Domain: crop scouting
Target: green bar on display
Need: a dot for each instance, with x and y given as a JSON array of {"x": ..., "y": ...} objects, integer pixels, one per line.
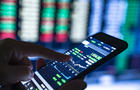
[
  {"x": 74, "y": 53},
  {"x": 58, "y": 75},
  {"x": 93, "y": 41},
  {"x": 7, "y": 13},
  {"x": 8, "y": 26},
  {"x": 8, "y": 7},
  {"x": 59, "y": 83},
  {"x": 61, "y": 27},
  {"x": 49, "y": 15},
  {"x": 65, "y": 11},
  {"x": 54, "y": 78},
  {"x": 49, "y": 10},
  {"x": 64, "y": 0},
  {"x": 99, "y": 58},
  {"x": 48, "y": 0},
  {"x": 63, "y": 80},
  {"x": 62, "y": 15},
  {"x": 46, "y": 27},
  {"x": 76, "y": 48}
]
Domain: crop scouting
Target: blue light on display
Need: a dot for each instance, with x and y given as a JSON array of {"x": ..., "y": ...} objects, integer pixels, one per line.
[
  {"x": 29, "y": 15},
  {"x": 79, "y": 20},
  {"x": 114, "y": 17},
  {"x": 96, "y": 16}
]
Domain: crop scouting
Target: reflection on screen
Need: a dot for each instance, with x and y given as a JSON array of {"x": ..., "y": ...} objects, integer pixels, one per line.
[{"x": 55, "y": 74}]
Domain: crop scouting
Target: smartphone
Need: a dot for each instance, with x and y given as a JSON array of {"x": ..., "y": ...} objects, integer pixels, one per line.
[{"x": 90, "y": 54}]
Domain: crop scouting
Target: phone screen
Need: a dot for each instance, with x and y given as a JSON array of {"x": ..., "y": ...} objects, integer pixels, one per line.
[{"x": 55, "y": 74}]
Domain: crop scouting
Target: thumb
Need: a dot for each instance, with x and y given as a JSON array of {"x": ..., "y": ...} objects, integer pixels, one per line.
[{"x": 13, "y": 74}]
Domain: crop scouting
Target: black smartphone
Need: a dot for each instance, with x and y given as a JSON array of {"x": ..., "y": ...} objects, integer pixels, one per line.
[{"x": 90, "y": 54}]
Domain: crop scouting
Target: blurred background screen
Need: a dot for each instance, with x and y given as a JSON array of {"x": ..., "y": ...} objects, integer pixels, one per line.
[{"x": 63, "y": 24}]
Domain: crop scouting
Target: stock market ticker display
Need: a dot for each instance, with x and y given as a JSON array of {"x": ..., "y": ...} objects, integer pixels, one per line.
[
  {"x": 48, "y": 21},
  {"x": 8, "y": 14},
  {"x": 79, "y": 20},
  {"x": 29, "y": 15},
  {"x": 129, "y": 29},
  {"x": 85, "y": 55},
  {"x": 62, "y": 21},
  {"x": 35, "y": 20},
  {"x": 118, "y": 18},
  {"x": 114, "y": 17},
  {"x": 107, "y": 17},
  {"x": 55, "y": 20},
  {"x": 96, "y": 13}
]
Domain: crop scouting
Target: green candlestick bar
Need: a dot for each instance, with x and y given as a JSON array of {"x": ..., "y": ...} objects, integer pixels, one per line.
[
  {"x": 46, "y": 28},
  {"x": 7, "y": 26},
  {"x": 8, "y": 7},
  {"x": 49, "y": 1}
]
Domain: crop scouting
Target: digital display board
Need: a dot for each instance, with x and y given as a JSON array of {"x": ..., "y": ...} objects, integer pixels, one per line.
[
  {"x": 48, "y": 21},
  {"x": 62, "y": 21},
  {"x": 8, "y": 14},
  {"x": 96, "y": 13},
  {"x": 79, "y": 20},
  {"x": 29, "y": 15},
  {"x": 114, "y": 17}
]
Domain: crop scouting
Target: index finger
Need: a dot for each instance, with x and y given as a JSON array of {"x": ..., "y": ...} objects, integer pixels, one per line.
[{"x": 30, "y": 49}]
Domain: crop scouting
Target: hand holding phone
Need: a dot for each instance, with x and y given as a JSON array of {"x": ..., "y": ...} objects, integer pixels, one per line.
[
  {"x": 72, "y": 85},
  {"x": 90, "y": 54},
  {"x": 14, "y": 64}
]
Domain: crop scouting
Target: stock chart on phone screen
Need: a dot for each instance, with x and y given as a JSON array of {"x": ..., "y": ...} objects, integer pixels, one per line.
[{"x": 85, "y": 55}]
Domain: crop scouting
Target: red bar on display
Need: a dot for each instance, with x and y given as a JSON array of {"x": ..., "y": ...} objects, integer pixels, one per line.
[
  {"x": 61, "y": 37},
  {"x": 4, "y": 35},
  {"x": 63, "y": 5},
  {"x": 8, "y": 19},
  {"x": 46, "y": 37},
  {"x": 63, "y": 21},
  {"x": 9, "y": 1},
  {"x": 48, "y": 4},
  {"x": 47, "y": 22}
]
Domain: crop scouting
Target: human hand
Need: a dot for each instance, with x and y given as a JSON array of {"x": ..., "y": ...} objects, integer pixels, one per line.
[{"x": 14, "y": 63}]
